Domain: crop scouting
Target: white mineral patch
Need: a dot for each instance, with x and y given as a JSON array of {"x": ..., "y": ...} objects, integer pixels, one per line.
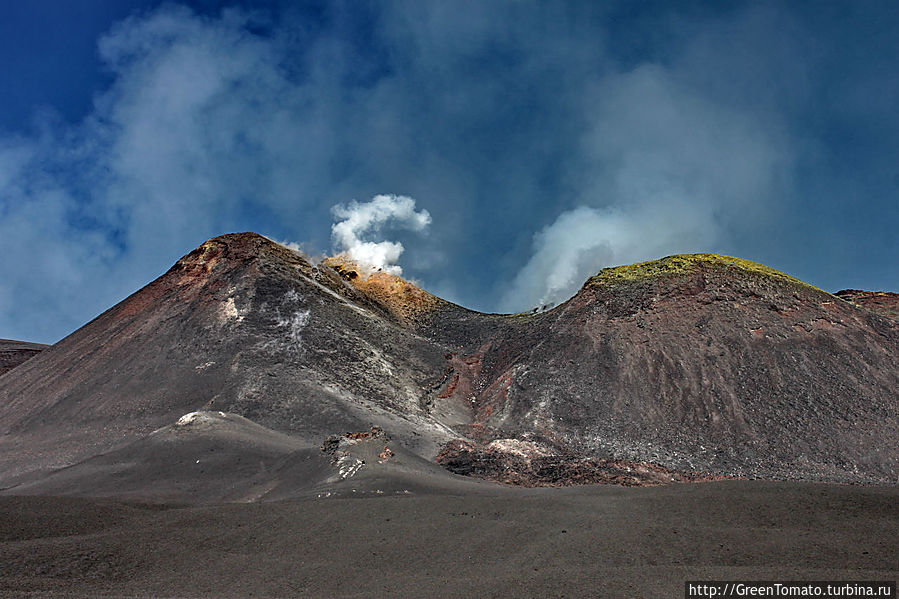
[
  {"x": 348, "y": 466},
  {"x": 188, "y": 419},
  {"x": 229, "y": 312},
  {"x": 525, "y": 449},
  {"x": 338, "y": 297},
  {"x": 295, "y": 323},
  {"x": 378, "y": 362},
  {"x": 198, "y": 417},
  {"x": 230, "y": 309}
]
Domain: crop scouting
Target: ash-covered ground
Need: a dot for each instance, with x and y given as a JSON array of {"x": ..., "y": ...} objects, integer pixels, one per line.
[{"x": 593, "y": 541}]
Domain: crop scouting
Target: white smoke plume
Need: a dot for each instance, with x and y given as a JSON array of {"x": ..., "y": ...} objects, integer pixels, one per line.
[
  {"x": 360, "y": 219},
  {"x": 583, "y": 241},
  {"x": 669, "y": 172}
]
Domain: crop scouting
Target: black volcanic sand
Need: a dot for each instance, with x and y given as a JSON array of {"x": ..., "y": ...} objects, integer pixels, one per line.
[{"x": 573, "y": 542}]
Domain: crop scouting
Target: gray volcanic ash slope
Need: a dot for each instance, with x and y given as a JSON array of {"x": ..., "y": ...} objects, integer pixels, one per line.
[
  {"x": 240, "y": 325},
  {"x": 680, "y": 369}
]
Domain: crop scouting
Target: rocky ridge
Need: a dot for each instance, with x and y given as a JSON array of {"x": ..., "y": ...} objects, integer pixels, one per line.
[{"x": 879, "y": 302}]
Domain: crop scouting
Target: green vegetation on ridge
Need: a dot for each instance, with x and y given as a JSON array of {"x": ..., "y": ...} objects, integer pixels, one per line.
[{"x": 681, "y": 264}]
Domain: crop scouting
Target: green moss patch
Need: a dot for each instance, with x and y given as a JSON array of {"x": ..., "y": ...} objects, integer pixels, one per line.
[{"x": 684, "y": 264}]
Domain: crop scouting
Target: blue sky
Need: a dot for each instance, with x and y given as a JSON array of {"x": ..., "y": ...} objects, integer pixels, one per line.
[{"x": 545, "y": 140}]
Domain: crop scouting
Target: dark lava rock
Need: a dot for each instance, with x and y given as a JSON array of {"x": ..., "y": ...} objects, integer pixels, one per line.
[
  {"x": 506, "y": 462},
  {"x": 879, "y": 302},
  {"x": 14, "y": 353}
]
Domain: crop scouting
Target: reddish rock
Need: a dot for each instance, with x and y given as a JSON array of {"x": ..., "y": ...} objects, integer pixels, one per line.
[{"x": 879, "y": 302}]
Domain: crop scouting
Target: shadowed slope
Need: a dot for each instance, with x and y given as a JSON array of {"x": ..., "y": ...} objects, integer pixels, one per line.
[
  {"x": 698, "y": 362},
  {"x": 14, "y": 353}
]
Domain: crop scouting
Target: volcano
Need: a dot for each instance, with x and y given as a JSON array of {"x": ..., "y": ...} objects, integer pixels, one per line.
[
  {"x": 225, "y": 378},
  {"x": 253, "y": 423}
]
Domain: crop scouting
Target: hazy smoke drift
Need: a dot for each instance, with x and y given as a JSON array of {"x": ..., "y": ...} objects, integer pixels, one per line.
[
  {"x": 359, "y": 219},
  {"x": 671, "y": 171}
]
